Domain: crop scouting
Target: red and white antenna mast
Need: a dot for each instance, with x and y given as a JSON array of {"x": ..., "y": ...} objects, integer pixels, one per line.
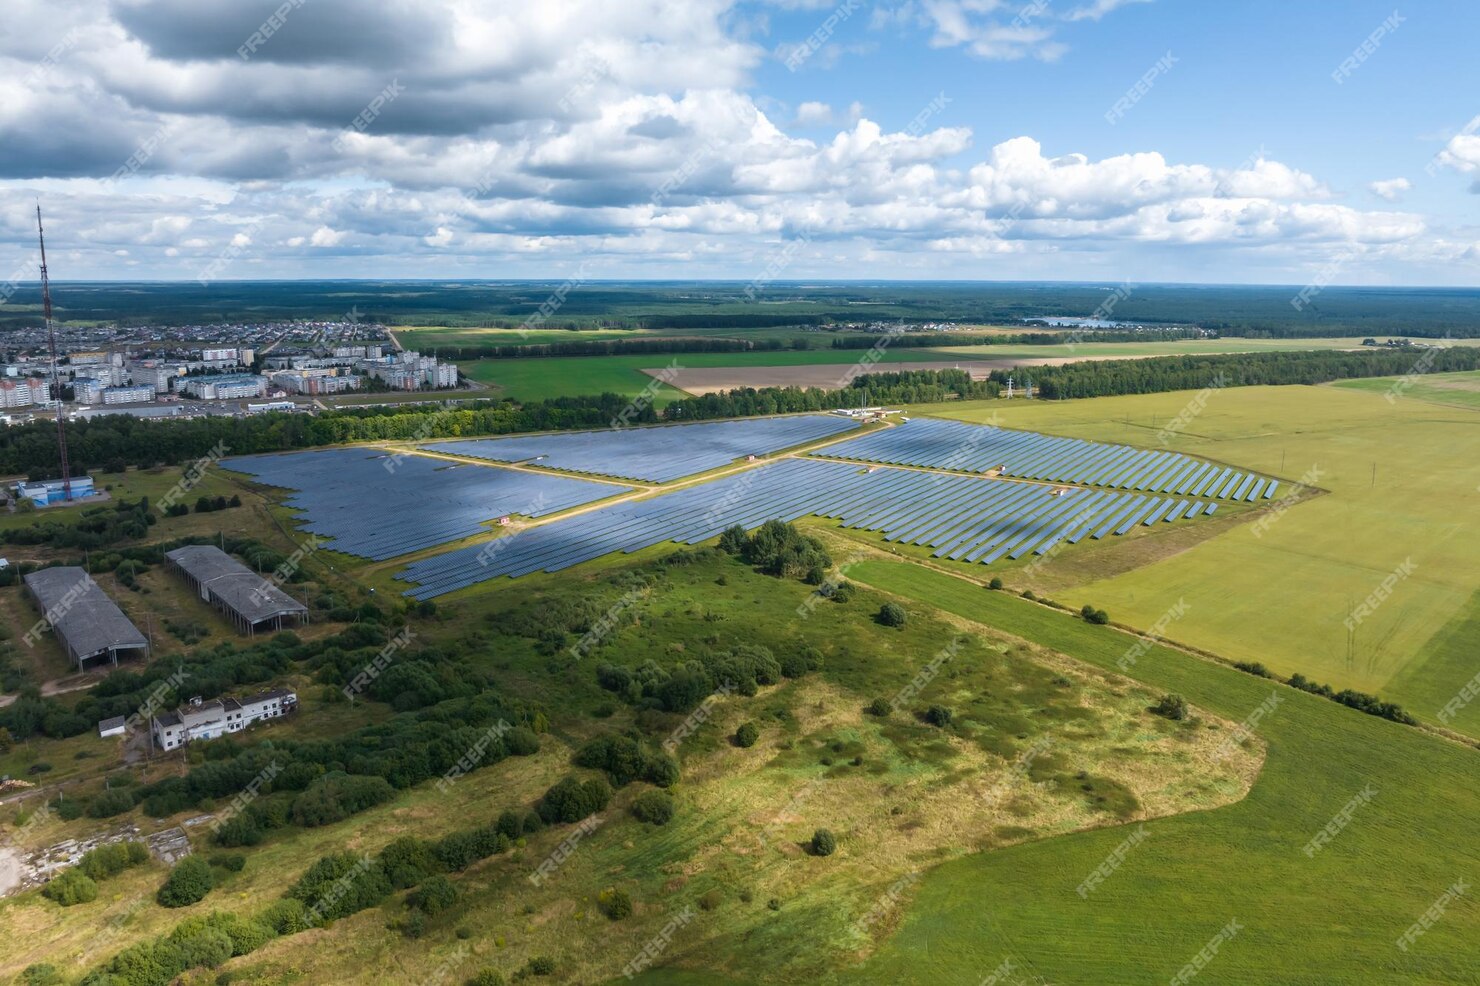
[{"x": 56, "y": 381}]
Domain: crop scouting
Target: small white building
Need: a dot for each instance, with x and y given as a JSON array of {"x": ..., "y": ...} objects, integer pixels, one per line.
[
  {"x": 112, "y": 727},
  {"x": 199, "y": 720}
]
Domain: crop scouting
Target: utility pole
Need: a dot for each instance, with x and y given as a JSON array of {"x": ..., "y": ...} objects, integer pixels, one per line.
[{"x": 56, "y": 382}]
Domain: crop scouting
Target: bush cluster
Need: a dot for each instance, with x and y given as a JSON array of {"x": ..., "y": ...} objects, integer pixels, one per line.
[
  {"x": 778, "y": 548},
  {"x": 188, "y": 882},
  {"x": 1370, "y": 704}
]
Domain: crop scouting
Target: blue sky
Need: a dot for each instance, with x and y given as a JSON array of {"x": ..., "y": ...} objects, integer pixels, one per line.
[{"x": 379, "y": 138}]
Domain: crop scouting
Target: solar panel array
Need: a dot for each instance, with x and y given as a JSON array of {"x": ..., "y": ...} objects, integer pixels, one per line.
[
  {"x": 962, "y": 517},
  {"x": 657, "y": 454},
  {"x": 1028, "y": 455},
  {"x": 379, "y": 506}
]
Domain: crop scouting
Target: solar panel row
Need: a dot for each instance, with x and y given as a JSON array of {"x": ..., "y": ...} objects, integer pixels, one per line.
[
  {"x": 962, "y": 517},
  {"x": 379, "y": 506},
  {"x": 658, "y": 454},
  {"x": 934, "y": 443}
]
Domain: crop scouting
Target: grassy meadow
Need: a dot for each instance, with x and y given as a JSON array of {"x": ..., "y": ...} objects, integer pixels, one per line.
[
  {"x": 1039, "y": 747},
  {"x": 1280, "y": 588},
  {"x": 1331, "y": 917}
]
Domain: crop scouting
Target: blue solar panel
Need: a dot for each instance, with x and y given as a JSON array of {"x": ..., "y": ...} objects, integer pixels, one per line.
[
  {"x": 378, "y": 505},
  {"x": 955, "y": 445},
  {"x": 973, "y": 519},
  {"x": 654, "y": 454}
]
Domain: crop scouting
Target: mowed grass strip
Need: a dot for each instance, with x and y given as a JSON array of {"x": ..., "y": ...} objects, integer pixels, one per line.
[
  {"x": 1461, "y": 389},
  {"x": 1281, "y": 591}
]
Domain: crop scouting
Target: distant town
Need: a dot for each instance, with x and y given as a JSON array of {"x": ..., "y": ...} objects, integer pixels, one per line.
[{"x": 190, "y": 370}]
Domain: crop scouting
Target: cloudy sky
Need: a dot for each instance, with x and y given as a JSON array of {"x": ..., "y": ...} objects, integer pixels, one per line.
[{"x": 1266, "y": 141}]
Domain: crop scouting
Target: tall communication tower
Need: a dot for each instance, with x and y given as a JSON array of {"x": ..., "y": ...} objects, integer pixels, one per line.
[{"x": 56, "y": 382}]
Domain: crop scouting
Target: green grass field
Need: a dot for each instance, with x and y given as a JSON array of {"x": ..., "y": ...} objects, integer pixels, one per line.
[
  {"x": 556, "y": 376},
  {"x": 538, "y": 379},
  {"x": 1460, "y": 389},
  {"x": 1398, "y": 482}
]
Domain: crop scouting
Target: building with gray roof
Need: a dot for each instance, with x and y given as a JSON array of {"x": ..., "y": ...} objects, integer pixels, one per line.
[
  {"x": 251, "y": 601},
  {"x": 88, "y": 624}
]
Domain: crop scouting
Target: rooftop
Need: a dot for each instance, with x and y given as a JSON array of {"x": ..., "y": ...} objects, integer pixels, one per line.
[
  {"x": 82, "y": 613},
  {"x": 249, "y": 594}
]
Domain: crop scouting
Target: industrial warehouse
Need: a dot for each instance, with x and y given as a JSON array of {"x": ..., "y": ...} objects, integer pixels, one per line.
[
  {"x": 88, "y": 624},
  {"x": 250, "y": 600}
]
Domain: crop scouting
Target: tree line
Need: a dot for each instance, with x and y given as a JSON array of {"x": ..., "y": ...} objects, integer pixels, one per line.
[
  {"x": 931, "y": 340},
  {"x": 111, "y": 442}
]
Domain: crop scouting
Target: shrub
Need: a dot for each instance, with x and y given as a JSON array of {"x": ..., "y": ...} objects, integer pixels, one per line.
[
  {"x": 187, "y": 883},
  {"x": 231, "y": 862},
  {"x": 794, "y": 664},
  {"x": 570, "y": 800},
  {"x": 487, "y": 977},
  {"x": 112, "y": 859},
  {"x": 41, "y": 974},
  {"x": 938, "y": 715},
  {"x": 1253, "y": 667},
  {"x": 338, "y": 885},
  {"x": 407, "y": 861},
  {"x": 335, "y": 797},
  {"x": 1172, "y": 707},
  {"x": 892, "y": 615},
  {"x": 541, "y": 965},
  {"x": 653, "y": 807},
  {"x": 521, "y": 741},
  {"x": 286, "y": 917},
  {"x": 615, "y": 903},
  {"x": 824, "y": 843},
  {"x": 1095, "y": 616},
  {"x": 996, "y": 583},
  {"x": 435, "y": 895},
  {"x": 239, "y": 830},
  {"x": 110, "y": 803},
  {"x": 880, "y": 707},
  {"x": 624, "y": 761},
  {"x": 71, "y": 887},
  {"x": 246, "y": 935},
  {"x": 746, "y": 735}
]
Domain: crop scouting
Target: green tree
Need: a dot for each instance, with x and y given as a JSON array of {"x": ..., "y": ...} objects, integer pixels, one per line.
[
  {"x": 892, "y": 615},
  {"x": 938, "y": 715},
  {"x": 71, "y": 887},
  {"x": 746, "y": 735},
  {"x": 653, "y": 807},
  {"x": 187, "y": 883}
]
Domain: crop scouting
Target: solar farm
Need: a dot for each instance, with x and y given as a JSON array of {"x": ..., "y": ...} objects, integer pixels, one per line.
[
  {"x": 963, "y": 518},
  {"x": 964, "y": 447},
  {"x": 975, "y": 494},
  {"x": 656, "y": 454},
  {"x": 379, "y": 506}
]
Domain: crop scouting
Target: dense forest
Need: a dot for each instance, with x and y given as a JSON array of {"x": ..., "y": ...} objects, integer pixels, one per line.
[
  {"x": 111, "y": 442},
  {"x": 929, "y": 340},
  {"x": 670, "y": 306}
]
